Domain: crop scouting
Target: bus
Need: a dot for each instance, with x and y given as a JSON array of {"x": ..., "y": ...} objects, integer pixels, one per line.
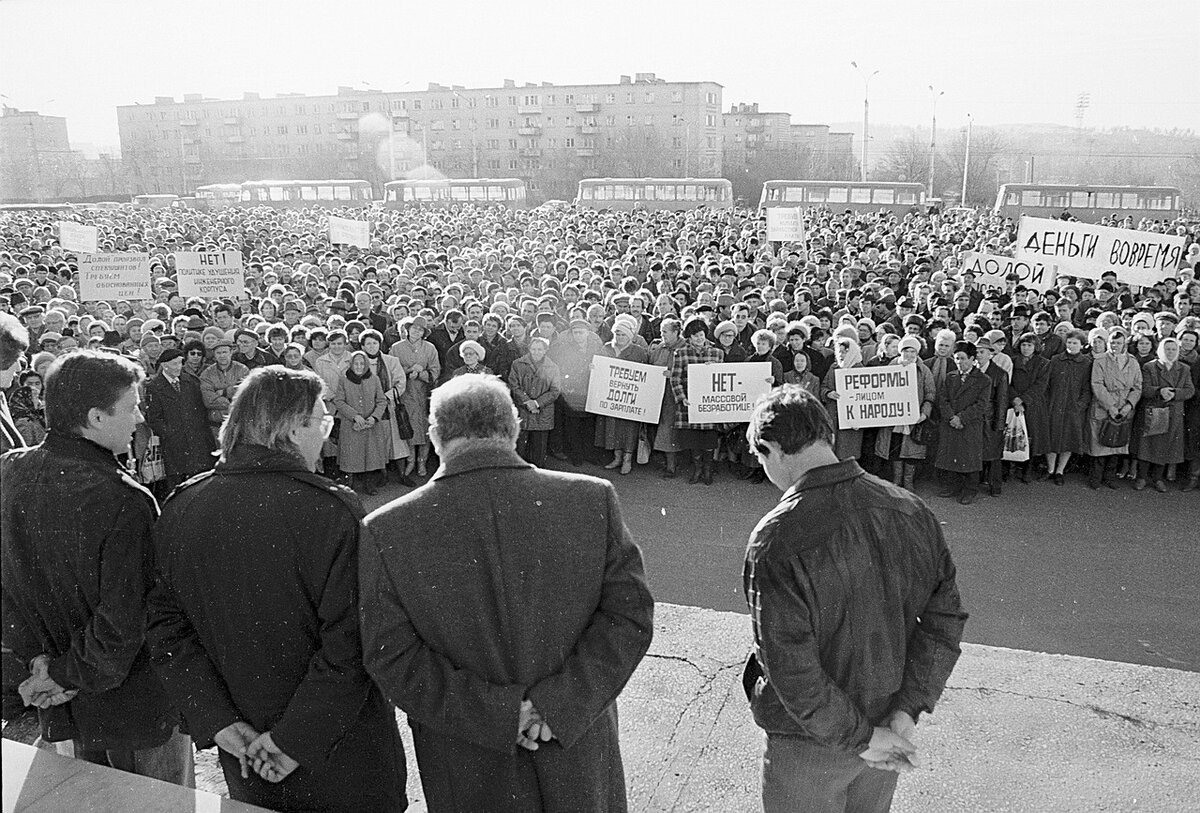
[
  {"x": 218, "y": 195},
  {"x": 655, "y": 193},
  {"x": 154, "y": 201},
  {"x": 37, "y": 207},
  {"x": 858, "y": 196},
  {"x": 509, "y": 192},
  {"x": 1087, "y": 203},
  {"x": 300, "y": 194}
]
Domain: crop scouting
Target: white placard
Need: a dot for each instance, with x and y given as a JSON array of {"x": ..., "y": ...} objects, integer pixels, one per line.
[
  {"x": 992, "y": 269},
  {"x": 210, "y": 274},
  {"x": 785, "y": 223},
  {"x": 725, "y": 393},
  {"x": 351, "y": 232},
  {"x": 1084, "y": 250},
  {"x": 626, "y": 389},
  {"x": 109, "y": 277},
  {"x": 77, "y": 237},
  {"x": 876, "y": 396}
]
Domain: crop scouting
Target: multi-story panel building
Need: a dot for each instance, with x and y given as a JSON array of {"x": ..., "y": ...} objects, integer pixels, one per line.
[
  {"x": 549, "y": 135},
  {"x": 33, "y": 150},
  {"x": 761, "y": 146}
]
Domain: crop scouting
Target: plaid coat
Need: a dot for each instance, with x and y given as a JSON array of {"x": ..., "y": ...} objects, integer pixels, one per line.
[{"x": 685, "y": 356}]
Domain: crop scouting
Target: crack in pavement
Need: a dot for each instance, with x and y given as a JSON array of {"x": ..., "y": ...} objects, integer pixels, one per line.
[{"x": 1103, "y": 713}]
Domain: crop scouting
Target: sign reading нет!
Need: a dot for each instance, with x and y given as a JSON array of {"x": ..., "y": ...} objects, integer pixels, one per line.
[{"x": 210, "y": 274}]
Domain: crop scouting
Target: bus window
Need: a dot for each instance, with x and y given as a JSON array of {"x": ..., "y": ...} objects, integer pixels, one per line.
[
  {"x": 860, "y": 195},
  {"x": 906, "y": 196},
  {"x": 665, "y": 192},
  {"x": 276, "y": 193},
  {"x": 883, "y": 195},
  {"x": 308, "y": 193},
  {"x": 1129, "y": 200},
  {"x": 838, "y": 194},
  {"x": 520, "y": 193},
  {"x": 710, "y": 193},
  {"x": 622, "y": 192},
  {"x": 816, "y": 194},
  {"x": 458, "y": 192},
  {"x": 1031, "y": 197},
  {"x": 1055, "y": 199},
  {"x": 1081, "y": 200},
  {"x": 793, "y": 194},
  {"x": 324, "y": 193},
  {"x": 1012, "y": 198},
  {"x": 1106, "y": 200}
]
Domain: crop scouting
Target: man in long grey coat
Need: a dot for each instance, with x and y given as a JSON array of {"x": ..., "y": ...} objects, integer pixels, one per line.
[{"x": 504, "y": 608}]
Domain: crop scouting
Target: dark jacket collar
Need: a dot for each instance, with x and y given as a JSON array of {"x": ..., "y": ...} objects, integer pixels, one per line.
[
  {"x": 80, "y": 447},
  {"x": 251, "y": 457},
  {"x": 824, "y": 476},
  {"x": 480, "y": 455}
]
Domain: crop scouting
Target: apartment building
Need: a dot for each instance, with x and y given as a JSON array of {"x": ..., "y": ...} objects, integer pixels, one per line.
[
  {"x": 33, "y": 149},
  {"x": 549, "y": 135},
  {"x": 760, "y": 146}
]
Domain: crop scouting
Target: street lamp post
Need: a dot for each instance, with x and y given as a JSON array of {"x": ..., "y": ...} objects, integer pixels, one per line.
[
  {"x": 866, "y": 117},
  {"x": 966, "y": 163},
  {"x": 937, "y": 94}
]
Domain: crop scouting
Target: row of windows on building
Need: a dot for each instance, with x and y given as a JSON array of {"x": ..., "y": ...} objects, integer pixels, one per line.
[{"x": 454, "y": 102}]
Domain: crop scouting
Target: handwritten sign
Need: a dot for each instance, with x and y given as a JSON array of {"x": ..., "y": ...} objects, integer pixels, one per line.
[
  {"x": 351, "y": 232},
  {"x": 626, "y": 389},
  {"x": 210, "y": 274},
  {"x": 992, "y": 270},
  {"x": 77, "y": 237},
  {"x": 876, "y": 396},
  {"x": 113, "y": 276},
  {"x": 1085, "y": 250},
  {"x": 785, "y": 223},
  {"x": 725, "y": 393}
]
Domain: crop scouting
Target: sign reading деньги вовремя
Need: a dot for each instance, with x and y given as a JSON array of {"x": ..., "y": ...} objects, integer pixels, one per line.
[{"x": 1083, "y": 250}]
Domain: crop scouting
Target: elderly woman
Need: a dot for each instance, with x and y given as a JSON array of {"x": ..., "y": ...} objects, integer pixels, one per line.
[
  {"x": 896, "y": 443},
  {"x": 1028, "y": 392},
  {"x": 1191, "y": 420},
  {"x": 1069, "y": 392},
  {"x": 419, "y": 360},
  {"x": 764, "y": 342},
  {"x": 364, "y": 439},
  {"x": 472, "y": 353},
  {"x": 846, "y": 354},
  {"x": 536, "y": 385},
  {"x": 618, "y": 435},
  {"x": 662, "y": 354},
  {"x": 1116, "y": 390},
  {"x": 1166, "y": 385},
  {"x": 393, "y": 382},
  {"x": 693, "y": 435}
]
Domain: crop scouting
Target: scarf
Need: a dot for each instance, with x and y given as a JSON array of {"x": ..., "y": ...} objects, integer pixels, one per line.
[{"x": 381, "y": 369}]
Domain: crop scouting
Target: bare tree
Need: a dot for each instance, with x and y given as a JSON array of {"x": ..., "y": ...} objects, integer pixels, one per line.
[
  {"x": 907, "y": 160},
  {"x": 987, "y": 146}
]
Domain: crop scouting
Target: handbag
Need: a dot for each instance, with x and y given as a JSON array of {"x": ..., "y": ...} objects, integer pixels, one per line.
[
  {"x": 923, "y": 433},
  {"x": 403, "y": 424},
  {"x": 1158, "y": 420},
  {"x": 1016, "y": 438},
  {"x": 1115, "y": 433}
]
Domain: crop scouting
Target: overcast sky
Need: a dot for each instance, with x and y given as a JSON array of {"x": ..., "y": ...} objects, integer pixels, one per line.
[{"x": 1002, "y": 62}]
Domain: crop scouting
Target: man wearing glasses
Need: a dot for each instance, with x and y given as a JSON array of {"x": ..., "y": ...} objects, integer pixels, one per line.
[{"x": 254, "y": 618}]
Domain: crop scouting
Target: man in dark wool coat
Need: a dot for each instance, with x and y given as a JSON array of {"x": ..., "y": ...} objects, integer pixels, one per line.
[
  {"x": 254, "y": 617},
  {"x": 504, "y": 607}
]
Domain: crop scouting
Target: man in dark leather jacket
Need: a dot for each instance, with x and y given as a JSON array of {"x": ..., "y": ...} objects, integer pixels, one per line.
[
  {"x": 857, "y": 618},
  {"x": 77, "y": 564}
]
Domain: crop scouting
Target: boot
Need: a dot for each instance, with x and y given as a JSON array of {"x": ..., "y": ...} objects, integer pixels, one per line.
[
  {"x": 707, "y": 475},
  {"x": 1097, "y": 475},
  {"x": 897, "y": 472},
  {"x": 1193, "y": 482},
  {"x": 695, "y": 476},
  {"x": 993, "y": 470},
  {"x": 910, "y": 473},
  {"x": 671, "y": 472}
]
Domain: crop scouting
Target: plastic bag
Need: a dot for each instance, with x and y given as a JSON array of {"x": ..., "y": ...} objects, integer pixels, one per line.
[
  {"x": 1016, "y": 438},
  {"x": 153, "y": 468}
]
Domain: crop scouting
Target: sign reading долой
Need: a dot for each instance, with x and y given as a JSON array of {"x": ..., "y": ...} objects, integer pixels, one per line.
[
  {"x": 725, "y": 393},
  {"x": 1084, "y": 250},
  {"x": 626, "y": 389},
  {"x": 210, "y": 274},
  {"x": 785, "y": 223},
  {"x": 991, "y": 270},
  {"x": 113, "y": 276},
  {"x": 876, "y": 396}
]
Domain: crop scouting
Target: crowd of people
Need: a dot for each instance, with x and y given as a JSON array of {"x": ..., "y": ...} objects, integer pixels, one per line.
[{"x": 532, "y": 296}]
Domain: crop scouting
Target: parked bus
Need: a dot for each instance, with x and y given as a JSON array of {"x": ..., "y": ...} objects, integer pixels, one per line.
[
  {"x": 1087, "y": 203},
  {"x": 858, "y": 196},
  {"x": 300, "y": 194},
  {"x": 154, "y": 201},
  {"x": 508, "y": 192},
  {"x": 36, "y": 207},
  {"x": 218, "y": 195},
  {"x": 655, "y": 193}
]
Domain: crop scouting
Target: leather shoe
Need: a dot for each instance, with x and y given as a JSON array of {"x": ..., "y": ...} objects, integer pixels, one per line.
[
  {"x": 1191, "y": 484},
  {"x": 948, "y": 493},
  {"x": 1160, "y": 486},
  {"x": 1139, "y": 484},
  {"x": 967, "y": 498}
]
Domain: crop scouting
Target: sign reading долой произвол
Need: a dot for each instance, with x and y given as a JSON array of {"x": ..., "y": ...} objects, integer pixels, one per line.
[
  {"x": 112, "y": 276},
  {"x": 1084, "y": 250},
  {"x": 993, "y": 270}
]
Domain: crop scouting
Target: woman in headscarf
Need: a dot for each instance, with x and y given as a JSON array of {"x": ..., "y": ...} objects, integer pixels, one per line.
[
  {"x": 1116, "y": 390},
  {"x": 662, "y": 354},
  {"x": 364, "y": 438},
  {"x": 896, "y": 443},
  {"x": 846, "y": 354},
  {"x": 1166, "y": 384},
  {"x": 393, "y": 382},
  {"x": 1191, "y": 419},
  {"x": 694, "y": 436},
  {"x": 419, "y": 360},
  {"x": 535, "y": 383},
  {"x": 1069, "y": 392},
  {"x": 618, "y": 435},
  {"x": 1028, "y": 392}
]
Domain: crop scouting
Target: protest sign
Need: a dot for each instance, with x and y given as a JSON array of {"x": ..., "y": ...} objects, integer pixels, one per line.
[
  {"x": 351, "y": 232},
  {"x": 876, "y": 396},
  {"x": 109, "y": 277},
  {"x": 725, "y": 393},
  {"x": 1084, "y": 250},
  {"x": 76, "y": 237},
  {"x": 626, "y": 389},
  {"x": 210, "y": 274},
  {"x": 991, "y": 270},
  {"x": 785, "y": 223}
]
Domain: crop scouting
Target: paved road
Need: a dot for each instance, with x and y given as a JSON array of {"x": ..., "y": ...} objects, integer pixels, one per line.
[{"x": 1109, "y": 574}]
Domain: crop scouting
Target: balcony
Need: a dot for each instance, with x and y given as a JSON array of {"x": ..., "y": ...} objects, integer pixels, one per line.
[
  {"x": 530, "y": 131},
  {"x": 588, "y": 129},
  {"x": 189, "y": 122},
  {"x": 531, "y": 152},
  {"x": 347, "y": 116},
  {"x": 588, "y": 107},
  {"x": 231, "y": 120},
  {"x": 585, "y": 152},
  {"x": 529, "y": 109},
  {"x": 755, "y": 128},
  {"x": 190, "y": 140},
  {"x": 236, "y": 139},
  {"x": 344, "y": 136}
]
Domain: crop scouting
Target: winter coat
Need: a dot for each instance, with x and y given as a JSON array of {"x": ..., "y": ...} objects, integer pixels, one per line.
[
  {"x": 909, "y": 449},
  {"x": 1169, "y": 446},
  {"x": 686, "y": 356},
  {"x": 1116, "y": 383},
  {"x": 530, "y": 381},
  {"x": 1031, "y": 382},
  {"x": 1069, "y": 394},
  {"x": 365, "y": 449},
  {"x": 181, "y": 423},
  {"x": 968, "y": 397},
  {"x": 997, "y": 418}
]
